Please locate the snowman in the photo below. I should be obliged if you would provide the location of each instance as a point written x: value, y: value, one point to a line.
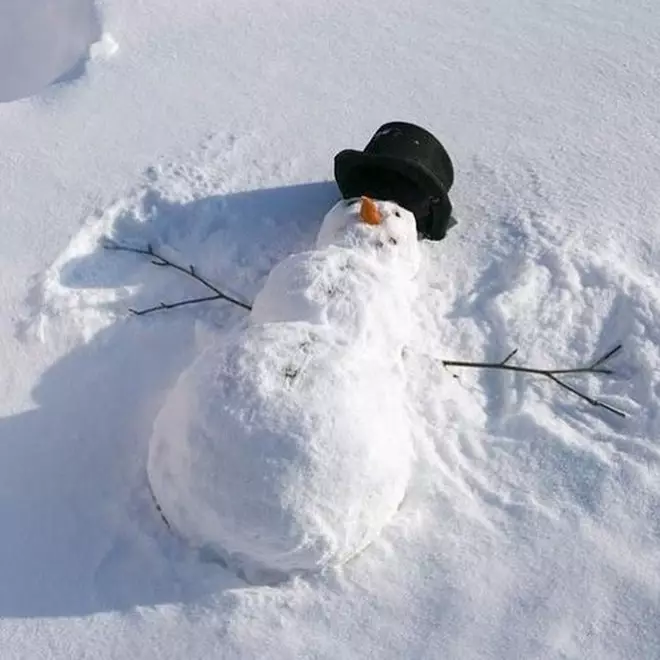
x: 286, y: 446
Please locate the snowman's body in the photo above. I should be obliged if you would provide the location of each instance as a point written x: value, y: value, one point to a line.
x: 286, y: 445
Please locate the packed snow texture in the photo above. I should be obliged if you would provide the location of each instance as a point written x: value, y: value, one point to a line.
x: 286, y: 446
x: 530, y: 526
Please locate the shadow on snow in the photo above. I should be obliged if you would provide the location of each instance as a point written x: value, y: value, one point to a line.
x: 80, y: 533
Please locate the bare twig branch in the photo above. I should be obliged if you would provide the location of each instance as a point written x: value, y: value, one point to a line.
x: 607, y: 356
x: 594, y: 368
x: 509, y: 356
x: 159, y: 260
x: 163, y: 306
x: 158, y: 507
x: 594, y: 402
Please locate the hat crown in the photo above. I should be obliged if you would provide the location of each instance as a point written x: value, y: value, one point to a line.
x: 404, y: 163
x: 398, y: 139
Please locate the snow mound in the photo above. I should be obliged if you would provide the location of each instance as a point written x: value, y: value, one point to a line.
x: 287, y: 446
x: 44, y: 42
x: 105, y: 48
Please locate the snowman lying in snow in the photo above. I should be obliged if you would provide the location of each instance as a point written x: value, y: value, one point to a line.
x: 286, y: 445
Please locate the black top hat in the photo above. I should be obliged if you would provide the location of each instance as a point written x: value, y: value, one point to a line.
x: 406, y: 164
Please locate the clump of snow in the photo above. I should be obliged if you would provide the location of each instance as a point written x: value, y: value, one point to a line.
x: 104, y: 48
x: 287, y: 444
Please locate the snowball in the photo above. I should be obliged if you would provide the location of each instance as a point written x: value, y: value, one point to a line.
x: 281, y: 449
x: 341, y: 289
x: 103, y: 49
x: 286, y: 446
x: 393, y: 240
x: 359, y: 279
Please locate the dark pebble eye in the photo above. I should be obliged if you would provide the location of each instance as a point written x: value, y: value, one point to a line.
x: 393, y: 241
x: 397, y: 214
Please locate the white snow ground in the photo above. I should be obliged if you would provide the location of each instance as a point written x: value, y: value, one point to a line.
x: 533, y: 526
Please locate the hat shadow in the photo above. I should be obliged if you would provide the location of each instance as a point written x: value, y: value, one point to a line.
x: 80, y: 532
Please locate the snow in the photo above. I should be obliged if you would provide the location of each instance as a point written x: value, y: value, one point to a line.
x: 286, y: 447
x: 530, y: 526
x: 44, y: 42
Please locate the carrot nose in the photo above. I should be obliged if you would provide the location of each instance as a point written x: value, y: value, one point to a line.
x: 369, y: 212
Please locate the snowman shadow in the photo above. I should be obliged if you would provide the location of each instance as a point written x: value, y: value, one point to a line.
x: 80, y: 532
x: 235, y: 239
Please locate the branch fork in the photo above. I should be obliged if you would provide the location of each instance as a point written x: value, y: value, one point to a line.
x: 595, y: 367
x: 159, y: 260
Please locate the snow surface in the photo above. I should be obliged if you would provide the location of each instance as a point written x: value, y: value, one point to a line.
x: 531, y: 525
x: 286, y: 446
x: 43, y: 42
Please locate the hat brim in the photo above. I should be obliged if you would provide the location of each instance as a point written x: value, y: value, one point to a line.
x: 350, y: 162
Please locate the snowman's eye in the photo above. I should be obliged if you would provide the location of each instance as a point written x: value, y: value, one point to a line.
x: 393, y: 241
x: 397, y: 214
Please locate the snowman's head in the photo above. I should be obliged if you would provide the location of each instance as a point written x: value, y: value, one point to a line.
x: 374, y: 226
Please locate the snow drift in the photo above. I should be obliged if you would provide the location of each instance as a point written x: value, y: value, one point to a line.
x: 44, y: 42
